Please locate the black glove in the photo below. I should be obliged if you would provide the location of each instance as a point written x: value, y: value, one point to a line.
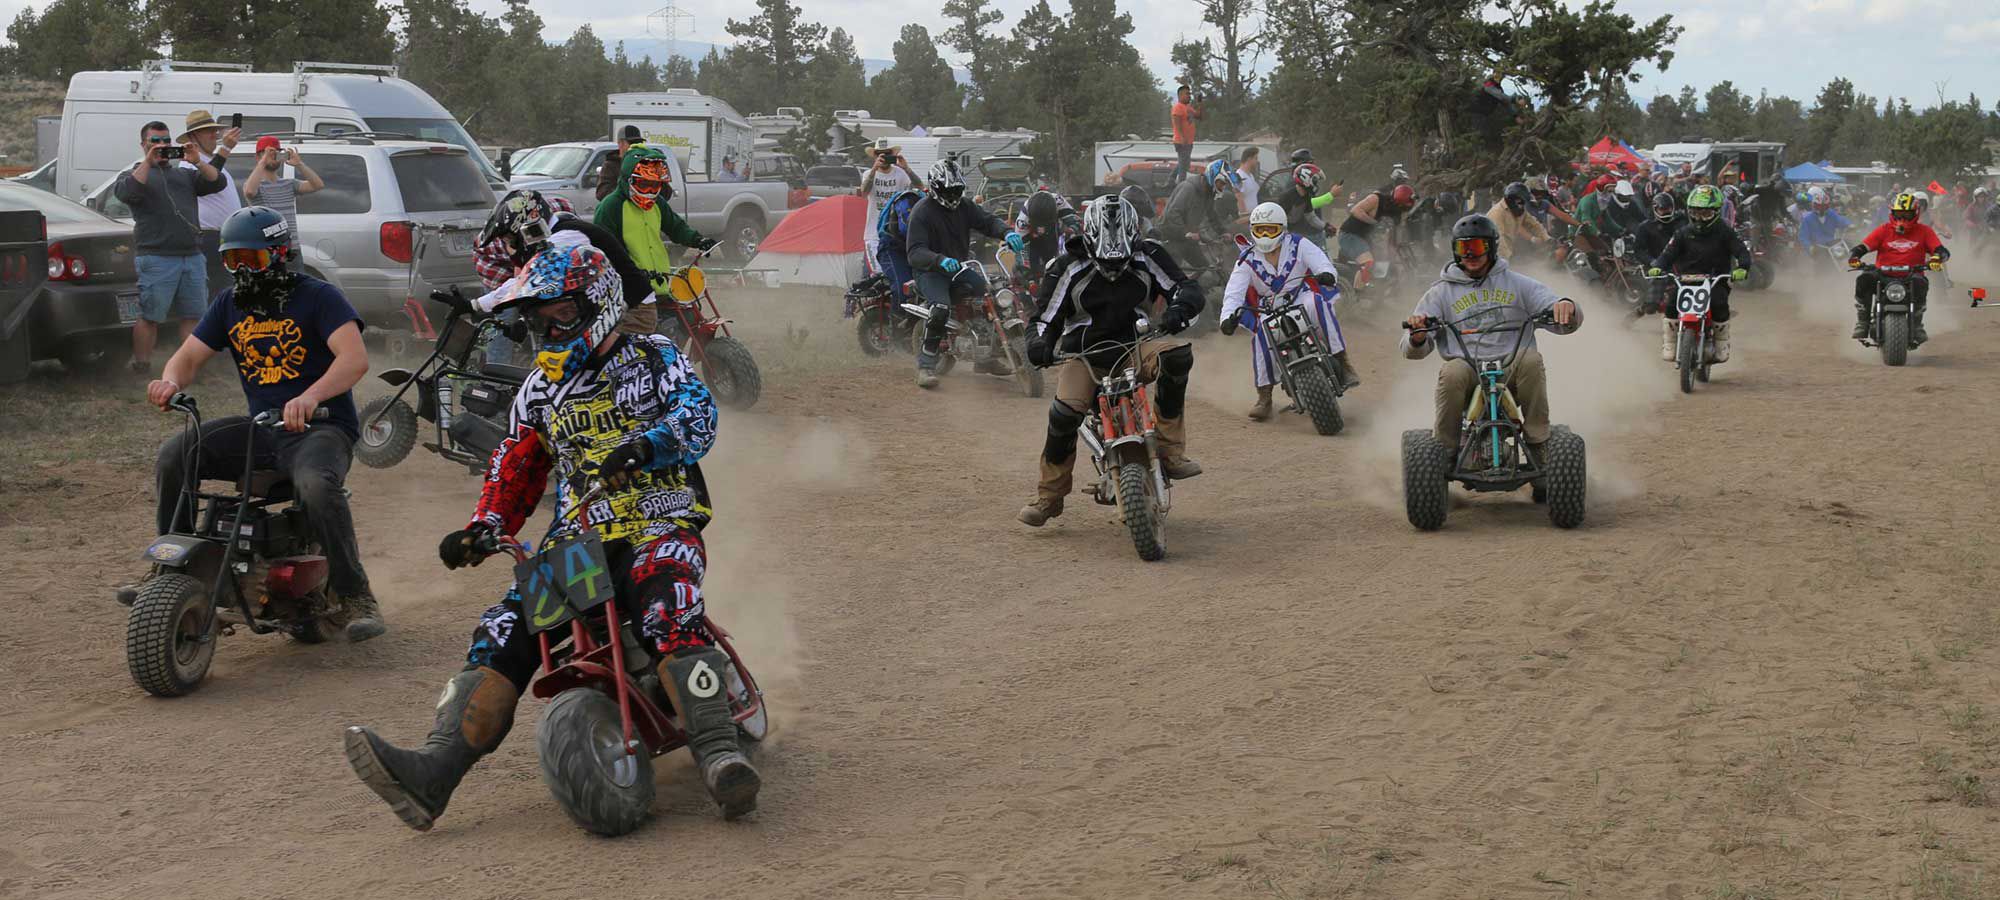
x: 705, y: 244
x: 629, y: 457
x: 461, y: 547
x: 515, y: 330
x: 1860, y: 250
x: 1176, y: 320
x: 1228, y: 326
x: 1040, y: 354
x: 452, y: 298
x: 1326, y: 279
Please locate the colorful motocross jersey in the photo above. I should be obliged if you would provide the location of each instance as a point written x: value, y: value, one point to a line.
x: 644, y: 390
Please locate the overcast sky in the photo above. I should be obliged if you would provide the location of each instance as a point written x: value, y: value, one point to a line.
x: 1886, y: 47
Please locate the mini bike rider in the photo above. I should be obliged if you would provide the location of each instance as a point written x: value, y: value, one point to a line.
x: 1901, y: 241
x: 1276, y: 263
x: 297, y: 346
x: 1093, y: 295
x: 1702, y: 247
x: 626, y: 411
x: 1477, y: 285
x: 940, y: 240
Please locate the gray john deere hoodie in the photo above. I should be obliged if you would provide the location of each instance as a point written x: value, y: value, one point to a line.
x: 1503, y: 298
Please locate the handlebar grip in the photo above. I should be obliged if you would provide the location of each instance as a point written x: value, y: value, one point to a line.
x: 182, y: 401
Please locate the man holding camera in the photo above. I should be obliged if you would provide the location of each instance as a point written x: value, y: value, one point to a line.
x: 267, y: 186
x: 882, y: 182
x: 173, y: 276
x: 208, y: 142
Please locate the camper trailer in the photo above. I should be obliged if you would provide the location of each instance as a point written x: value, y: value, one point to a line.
x: 103, y: 111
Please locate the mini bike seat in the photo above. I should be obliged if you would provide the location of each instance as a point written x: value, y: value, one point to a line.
x: 270, y: 484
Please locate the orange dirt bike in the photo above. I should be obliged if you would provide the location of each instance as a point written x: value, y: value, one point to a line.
x: 608, y: 715
x: 988, y: 326
x: 1124, y: 448
x: 697, y: 326
x: 1694, y: 345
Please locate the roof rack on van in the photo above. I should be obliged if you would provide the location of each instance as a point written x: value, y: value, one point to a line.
x: 151, y: 70
x: 342, y: 137
x: 302, y: 69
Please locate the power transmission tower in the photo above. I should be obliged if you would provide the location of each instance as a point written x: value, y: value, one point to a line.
x: 673, y: 21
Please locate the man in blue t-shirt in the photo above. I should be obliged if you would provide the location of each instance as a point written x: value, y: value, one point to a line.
x: 297, y: 347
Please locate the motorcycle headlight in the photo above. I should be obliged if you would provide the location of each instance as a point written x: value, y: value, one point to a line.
x: 1004, y: 299
x: 1896, y: 292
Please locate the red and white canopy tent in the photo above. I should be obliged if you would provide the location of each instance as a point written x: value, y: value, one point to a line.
x: 1615, y: 155
x: 819, y: 244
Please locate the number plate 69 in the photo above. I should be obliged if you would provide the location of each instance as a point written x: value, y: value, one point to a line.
x: 1692, y: 300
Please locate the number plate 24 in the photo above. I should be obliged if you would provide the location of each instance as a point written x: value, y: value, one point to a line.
x: 569, y: 577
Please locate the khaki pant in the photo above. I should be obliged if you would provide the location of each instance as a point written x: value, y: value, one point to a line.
x: 1527, y: 378
x: 640, y: 318
x: 1076, y: 388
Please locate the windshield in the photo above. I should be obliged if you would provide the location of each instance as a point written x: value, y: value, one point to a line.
x: 436, y: 182
x: 446, y: 130
x: 551, y: 162
x: 53, y: 208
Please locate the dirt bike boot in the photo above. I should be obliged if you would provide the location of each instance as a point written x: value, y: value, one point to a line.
x: 1348, y: 380
x: 1261, y: 410
x: 473, y: 716
x: 1049, y: 494
x: 1860, y: 320
x: 1719, y: 338
x: 364, y: 617
x: 926, y: 378
x: 1917, y: 333
x: 1669, y: 331
x: 1173, y: 449
x: 696, y: 679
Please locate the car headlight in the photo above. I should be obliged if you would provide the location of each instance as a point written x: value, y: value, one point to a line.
x: 1896, y: 292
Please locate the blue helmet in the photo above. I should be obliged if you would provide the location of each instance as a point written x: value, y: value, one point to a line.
x: 1219, y: 171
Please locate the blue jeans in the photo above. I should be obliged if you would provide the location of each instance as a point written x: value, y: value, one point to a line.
x: 936, y: 287
x: 172, y: 286
x: 896, y: 268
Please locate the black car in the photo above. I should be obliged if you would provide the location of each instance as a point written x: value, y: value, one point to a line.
x: 83, y: 315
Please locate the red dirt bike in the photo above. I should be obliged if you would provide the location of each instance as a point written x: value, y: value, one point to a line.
x: 983, y: 326
x: 1124, y: 448
x: 881, y: 325
x: 697, y: 326
x: 608, y: 714
x: 1694, y: 349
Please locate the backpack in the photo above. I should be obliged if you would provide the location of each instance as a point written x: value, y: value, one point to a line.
x: 894, y: 220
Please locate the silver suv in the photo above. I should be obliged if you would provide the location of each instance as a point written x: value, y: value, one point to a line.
x: 388, y: 203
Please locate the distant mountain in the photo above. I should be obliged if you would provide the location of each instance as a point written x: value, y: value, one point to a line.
x: 659, y: 50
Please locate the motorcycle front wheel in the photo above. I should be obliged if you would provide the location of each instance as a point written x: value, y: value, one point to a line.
x: 731, y: 373
x: 1895, y: 338
x: 1140, y: 510
x: 1026, y: 375
x: 581, y: 741
x: 875, y: 331
x: 170, y: 635
x: 388, y: 432
x: 1687, y: 348
x: 1316, y: 397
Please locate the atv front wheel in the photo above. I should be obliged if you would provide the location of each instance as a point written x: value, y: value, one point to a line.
x: 602, y: 787
x: 170, y: 635
x: 1426, y: 479
x: 1565, y: 477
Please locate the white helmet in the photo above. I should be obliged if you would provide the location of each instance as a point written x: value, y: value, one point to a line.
x: 1110, y: 226
x: 1263, y: 219
x: 1623, y: 190
x: 946, y: 183
x: 1816, y: 196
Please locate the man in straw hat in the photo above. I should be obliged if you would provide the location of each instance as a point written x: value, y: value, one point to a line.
x: 882, y: 181
x: 204, y: 133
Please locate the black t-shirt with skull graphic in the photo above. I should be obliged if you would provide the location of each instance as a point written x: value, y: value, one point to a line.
x: 278, y: 357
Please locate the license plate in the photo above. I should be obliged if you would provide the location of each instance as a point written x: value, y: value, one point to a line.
x: 569, y: 577
x: 128, y: 307
x: 458, y: 243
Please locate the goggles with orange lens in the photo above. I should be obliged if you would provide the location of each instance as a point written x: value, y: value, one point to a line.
x: 1266, y: 231
x: 253, y: 259
x: 1470, y: 247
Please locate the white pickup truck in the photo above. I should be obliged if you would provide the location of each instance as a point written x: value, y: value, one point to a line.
x: 737, y: 213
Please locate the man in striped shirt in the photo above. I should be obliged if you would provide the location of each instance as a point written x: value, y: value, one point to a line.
x: 267, y: 186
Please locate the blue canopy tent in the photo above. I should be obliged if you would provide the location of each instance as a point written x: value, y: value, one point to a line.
x: 1809, y: 173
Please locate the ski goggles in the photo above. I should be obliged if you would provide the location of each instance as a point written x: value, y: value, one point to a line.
x: 1470, y: 247
x: 1701, y: 213
x: 254, y: 259
x: 1267, y: 231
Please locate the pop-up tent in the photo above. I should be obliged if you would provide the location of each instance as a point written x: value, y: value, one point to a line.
x: 1810, y: 173
x: 1607, y: 152
x: 820, y: 244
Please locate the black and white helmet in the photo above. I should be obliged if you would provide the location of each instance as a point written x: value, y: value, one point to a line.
x: 1110, y: 227
x: 946, y: 183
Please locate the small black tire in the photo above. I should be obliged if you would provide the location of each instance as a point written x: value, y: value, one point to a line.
x: 388, y: 441
x: 1026, y: 374
x: 170, y: 635
x: 874, y: 331
x: 732, y: 373
x: 581, y: 742
x: 1686, y: 347
x: 1895, y: 338
x: 1317, y: 397
x: 1566, y: 477
x: 1426, y: 479
x: 1141, y: 516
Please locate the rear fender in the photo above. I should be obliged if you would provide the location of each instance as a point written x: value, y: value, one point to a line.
x: 397, y: 377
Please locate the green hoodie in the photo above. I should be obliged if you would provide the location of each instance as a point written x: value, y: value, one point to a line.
x: 616, y: 212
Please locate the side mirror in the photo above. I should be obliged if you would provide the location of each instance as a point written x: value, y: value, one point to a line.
x: 506, y: 165
x: 589, y: 180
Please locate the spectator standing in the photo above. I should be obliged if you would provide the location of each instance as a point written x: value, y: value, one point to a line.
x: 609, y: 173
x: 173, y: 278
x: 1249, y: 169
x: 888, y: 174
x: 267, y: 186
x: 215, y: 144
x: 1185, y: 112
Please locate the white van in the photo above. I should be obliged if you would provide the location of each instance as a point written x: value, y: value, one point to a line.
x: 103, y: 111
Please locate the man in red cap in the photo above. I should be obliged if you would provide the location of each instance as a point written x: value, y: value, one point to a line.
x: 268, y: 186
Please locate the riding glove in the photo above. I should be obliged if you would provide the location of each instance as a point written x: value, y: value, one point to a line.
x: 1176, y: 320
x: 453, y: 299
x: 1228, y: 326
x: 950, y: 265
x: 1016, y: 243
x: 1654, y: 272
x: 1739, y: 275
x: 629, y: 457
x: 1040, y: 354
x: 706, y: 244
x: 461, y: 547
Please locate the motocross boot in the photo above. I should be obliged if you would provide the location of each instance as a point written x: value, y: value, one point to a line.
x: 1720, y: 338
x: 1173, y: 449
x: 364, y: 617
x: 1262, y: 409
x: 1861, y: 322
x: 1049, y: 494
x: 473, y: 716
x: 1670, y: 330
x: 1917, y: 333
x: 1348, y: 380
x: 993, y: 365
x: 696, y: 680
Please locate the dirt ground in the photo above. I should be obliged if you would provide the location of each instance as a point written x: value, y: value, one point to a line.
x: 1762, y: 669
